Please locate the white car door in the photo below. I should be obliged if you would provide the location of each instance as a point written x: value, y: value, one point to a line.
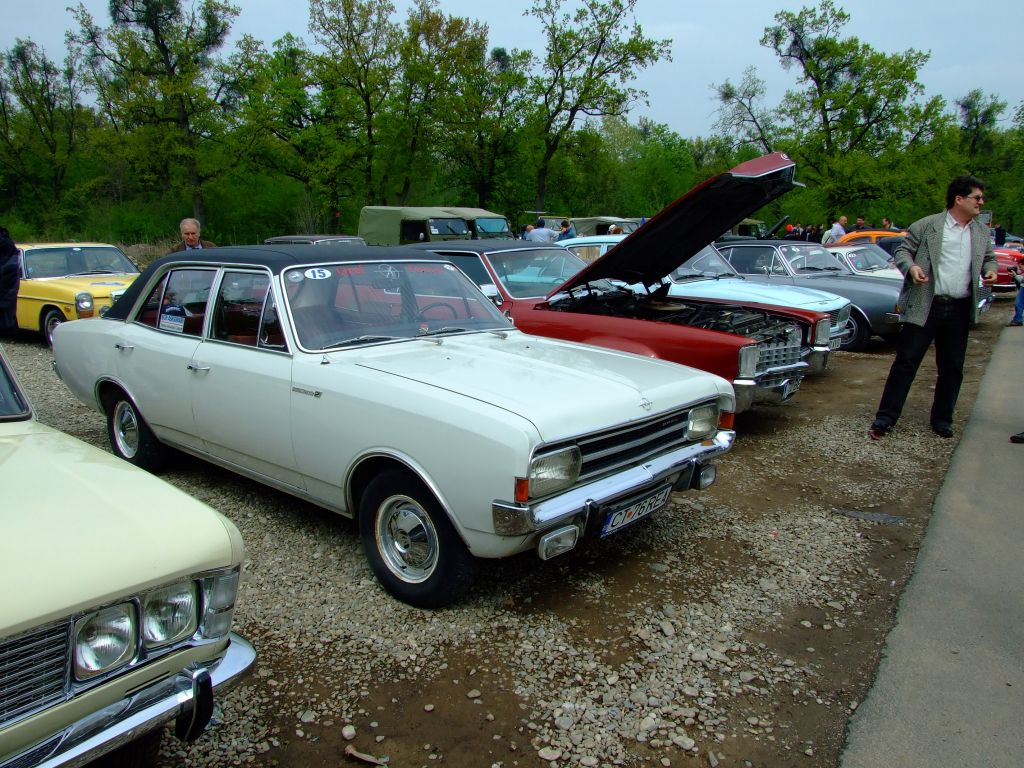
x: 154, y: 358
x: 241, y: 383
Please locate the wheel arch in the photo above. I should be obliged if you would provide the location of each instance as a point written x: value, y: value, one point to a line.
x: 371, y: 465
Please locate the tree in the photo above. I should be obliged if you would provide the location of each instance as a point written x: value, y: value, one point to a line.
x: 357, y: 71
x: 42, y: 123
x: 591, y: 55
x: 741, y: 114
x: 485, y: 125
x: 156, y: 80
x: 979, y: 136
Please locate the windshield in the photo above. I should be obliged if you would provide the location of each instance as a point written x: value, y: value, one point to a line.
x: 449, y: 227
x: 805, y: 259
x: 492, y: 227
x: 536, y: 272
x: 868, y: 258
x: 346, y: 304
x: 64, y: 261
x: 13, y: 405
x: 706, y: 262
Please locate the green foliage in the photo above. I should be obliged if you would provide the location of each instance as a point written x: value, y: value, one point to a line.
x: 146, y: 122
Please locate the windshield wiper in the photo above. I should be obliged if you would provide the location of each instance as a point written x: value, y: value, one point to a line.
x: 93, y: 272
x: 442, y: 331
x: 361, y: 339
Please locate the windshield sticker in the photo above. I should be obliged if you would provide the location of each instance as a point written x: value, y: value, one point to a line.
x: 173, y: 323
x: 295, y: 277
x: 317, y: 273
x: 356, y: 270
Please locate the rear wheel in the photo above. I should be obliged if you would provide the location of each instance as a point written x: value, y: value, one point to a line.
x: 130, y: 436
x: 411, y: 545
x: 858, y: 333
x: 51, y: 320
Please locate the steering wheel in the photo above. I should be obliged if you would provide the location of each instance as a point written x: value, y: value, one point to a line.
x: 421, y: 314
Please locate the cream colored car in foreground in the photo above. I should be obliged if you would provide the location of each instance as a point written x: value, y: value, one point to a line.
x: 119, y: 592
x: 382, y: 384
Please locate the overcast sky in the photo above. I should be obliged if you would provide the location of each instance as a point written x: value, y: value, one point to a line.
x: 972, y: 46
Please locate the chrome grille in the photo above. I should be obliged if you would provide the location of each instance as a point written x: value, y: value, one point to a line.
x: 779, y: 353
x: 838, y: 318
x: 33, y: 672
x: 629, y: 445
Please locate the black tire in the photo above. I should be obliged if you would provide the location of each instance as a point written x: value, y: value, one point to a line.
x: 859, y: 333
x: 130, y: 436
x: 410, y: 544
x: 140, y: 753
x: 51, y: 319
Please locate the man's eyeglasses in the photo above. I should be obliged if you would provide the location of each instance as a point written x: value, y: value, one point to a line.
x: 979, y: 198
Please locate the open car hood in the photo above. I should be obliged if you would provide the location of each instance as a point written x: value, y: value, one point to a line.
x: 685, y: 226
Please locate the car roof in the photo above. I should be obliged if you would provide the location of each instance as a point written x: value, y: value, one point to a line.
x: 313, y: 239
x: 592, y: 240
x: 276, y: 258
x: 23, y: 246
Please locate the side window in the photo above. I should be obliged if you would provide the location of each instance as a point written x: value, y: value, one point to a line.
x: 239, y: 307
x: 177, y: 303
x: 589, y: 253
x: 271, y: 335
x: 470, y: 264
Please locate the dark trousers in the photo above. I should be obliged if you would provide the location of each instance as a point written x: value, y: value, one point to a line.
x: 947, y: 325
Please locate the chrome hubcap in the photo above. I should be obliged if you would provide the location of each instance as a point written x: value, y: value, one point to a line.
x: 126, y: 430
x: 406, y: 539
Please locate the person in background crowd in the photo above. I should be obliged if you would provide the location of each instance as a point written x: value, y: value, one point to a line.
x: 943, y: 258
x: 811, y: 233
x: 9, y: 282
x: 837, y: 231
x: 190, y: 239
x: 1017, y: 273
x: 887, y: 223
x: 859, y: 224
x: 566, y: 231
x: 614, y: 229
x: 1000, y: 234
x: 541, y: 233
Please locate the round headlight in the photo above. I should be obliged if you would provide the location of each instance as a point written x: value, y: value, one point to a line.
x: 169, y: 614
x: 83, y: 302
x: 104, y: 640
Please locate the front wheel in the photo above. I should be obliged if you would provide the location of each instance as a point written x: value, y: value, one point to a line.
x: 858, y: 333
x: 51, y: 320
x: 410, y: 544
x: 130, y: 436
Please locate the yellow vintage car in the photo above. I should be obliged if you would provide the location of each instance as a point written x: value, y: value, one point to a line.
x: 68, y: 281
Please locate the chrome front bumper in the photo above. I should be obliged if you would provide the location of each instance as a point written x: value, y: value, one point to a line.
x: 770, y: 387
x: 512, y: 519
x: 817, y: 359
x: 187, y: 697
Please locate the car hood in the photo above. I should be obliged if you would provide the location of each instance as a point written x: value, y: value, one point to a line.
x: 100, y: 286
x: 82, y: 528
x: 552, y: 384
x: 844, y: 284
x: 682, y: 228
x: 736, y: 289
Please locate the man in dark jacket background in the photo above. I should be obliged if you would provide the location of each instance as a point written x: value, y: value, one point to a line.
x: 9, y: 281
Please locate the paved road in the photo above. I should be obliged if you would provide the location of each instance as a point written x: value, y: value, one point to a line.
x: 950, y: 688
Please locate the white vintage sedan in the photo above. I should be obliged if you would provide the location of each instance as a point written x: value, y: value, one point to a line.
x: 383, y: 385
x: 118, y: 600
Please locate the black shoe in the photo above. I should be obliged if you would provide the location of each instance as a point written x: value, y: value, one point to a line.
x: 1014, y: 323
x: 878, y: 430
x: 1018, y: 438
x: 942, y: 429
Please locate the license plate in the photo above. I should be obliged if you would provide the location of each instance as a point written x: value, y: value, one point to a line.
x: 789, y: 389
x: 619, y: 518
x: 835, y: 343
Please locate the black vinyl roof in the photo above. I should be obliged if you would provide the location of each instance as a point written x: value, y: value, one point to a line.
x: 276, y: 258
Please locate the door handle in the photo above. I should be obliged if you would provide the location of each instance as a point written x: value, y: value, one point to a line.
x: 124, y: 347
x: 197, y: 368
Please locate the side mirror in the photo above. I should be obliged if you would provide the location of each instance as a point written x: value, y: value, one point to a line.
x: 490, y: 290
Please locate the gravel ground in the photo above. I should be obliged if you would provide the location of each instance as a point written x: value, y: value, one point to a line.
x: 717, y: 632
